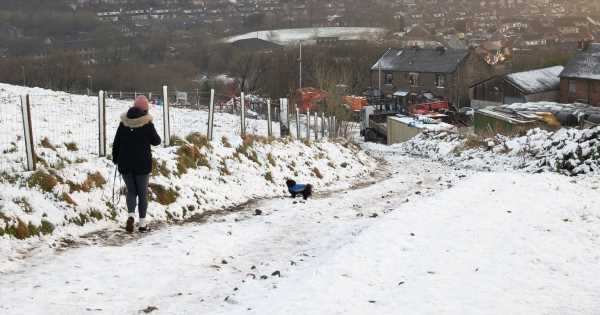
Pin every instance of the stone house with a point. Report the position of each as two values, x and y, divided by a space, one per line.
445 73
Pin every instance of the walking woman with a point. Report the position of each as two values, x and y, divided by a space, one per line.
131 152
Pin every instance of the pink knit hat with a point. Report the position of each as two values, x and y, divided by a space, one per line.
141 102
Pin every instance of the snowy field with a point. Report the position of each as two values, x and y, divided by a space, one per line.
293 35
440 225
428 239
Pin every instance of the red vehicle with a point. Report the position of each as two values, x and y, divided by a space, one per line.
355 103
426 108
309 98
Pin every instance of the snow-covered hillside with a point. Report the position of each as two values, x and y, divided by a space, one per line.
429 239
71 193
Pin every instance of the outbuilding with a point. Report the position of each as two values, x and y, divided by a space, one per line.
520 87
402 128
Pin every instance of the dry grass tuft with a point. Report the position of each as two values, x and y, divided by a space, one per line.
42 180
45 143
164 196
317 173
199 140
225 142
71 146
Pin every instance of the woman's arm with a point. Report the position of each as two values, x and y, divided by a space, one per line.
116 144
154 137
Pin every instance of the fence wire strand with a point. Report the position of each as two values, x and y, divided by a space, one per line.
12 144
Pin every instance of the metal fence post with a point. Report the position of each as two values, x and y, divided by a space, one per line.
101 123
211 114
166 117
28 132
269 122
243 115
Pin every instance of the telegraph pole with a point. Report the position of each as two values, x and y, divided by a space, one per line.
24 78
300 66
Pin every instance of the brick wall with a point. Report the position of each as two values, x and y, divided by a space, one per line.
426 83
586 91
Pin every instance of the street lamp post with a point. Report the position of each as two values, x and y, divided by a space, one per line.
300 66
379 75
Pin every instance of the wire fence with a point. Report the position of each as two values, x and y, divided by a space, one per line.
71 123
65 122
12 144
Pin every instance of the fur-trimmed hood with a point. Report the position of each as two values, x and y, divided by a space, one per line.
136 122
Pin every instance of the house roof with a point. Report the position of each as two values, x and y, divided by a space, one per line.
585 65
536 81
421 60
256 44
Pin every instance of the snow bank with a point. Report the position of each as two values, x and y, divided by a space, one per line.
567 151
71 193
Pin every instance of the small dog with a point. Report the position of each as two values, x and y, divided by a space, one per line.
295 189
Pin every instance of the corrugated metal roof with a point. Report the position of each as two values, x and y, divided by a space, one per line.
585 65
421 60
537 81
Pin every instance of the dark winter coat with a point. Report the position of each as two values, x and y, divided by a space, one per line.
131 148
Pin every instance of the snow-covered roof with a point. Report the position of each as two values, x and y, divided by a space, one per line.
536 81
504 116
401 93
585 65
421 60
420 124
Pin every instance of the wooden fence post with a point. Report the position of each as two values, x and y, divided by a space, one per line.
307 124
298 136
269 122
211 115
101 123
323 125
28 132
316 126
166 117
243 115
284 118
332 127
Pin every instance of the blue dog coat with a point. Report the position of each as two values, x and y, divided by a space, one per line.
298 188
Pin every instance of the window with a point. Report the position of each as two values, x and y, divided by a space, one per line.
572 87
388 78
413 79
440 80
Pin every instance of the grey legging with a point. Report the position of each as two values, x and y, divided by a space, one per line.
137 188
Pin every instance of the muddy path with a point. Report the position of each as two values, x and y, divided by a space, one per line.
117 236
